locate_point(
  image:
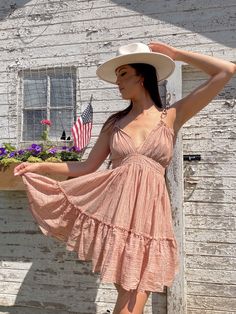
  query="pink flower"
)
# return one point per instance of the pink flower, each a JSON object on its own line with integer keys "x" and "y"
{"x": 46, "y": 122}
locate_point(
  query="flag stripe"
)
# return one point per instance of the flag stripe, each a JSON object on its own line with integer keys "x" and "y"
{"x": 82, "y": 128}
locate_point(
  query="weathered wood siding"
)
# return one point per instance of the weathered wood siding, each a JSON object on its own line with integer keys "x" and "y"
{"x": 39, "y": 34}
{"x": 38, "y": 275}
{"x": 210, "y": 197}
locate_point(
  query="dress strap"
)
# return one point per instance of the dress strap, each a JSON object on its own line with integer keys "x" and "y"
{"x": 116, "y": 123}
{"x": 163, "y": 113}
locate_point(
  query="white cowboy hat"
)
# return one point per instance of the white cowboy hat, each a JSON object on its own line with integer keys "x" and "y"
{"x": 136, "y": 53}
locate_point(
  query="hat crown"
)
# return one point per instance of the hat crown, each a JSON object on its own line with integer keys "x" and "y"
{"x": 132, "y": 48}
{"x": 136, "y": 53}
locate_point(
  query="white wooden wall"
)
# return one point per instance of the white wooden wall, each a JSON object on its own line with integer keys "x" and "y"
{"x": 209, "y": 206}
{"x": 43, "y": 33}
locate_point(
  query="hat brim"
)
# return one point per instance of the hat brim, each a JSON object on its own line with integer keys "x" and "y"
{"x": 163, "y": 64}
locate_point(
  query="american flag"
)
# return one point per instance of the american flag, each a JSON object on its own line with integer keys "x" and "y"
{"x": 82, "y": 128}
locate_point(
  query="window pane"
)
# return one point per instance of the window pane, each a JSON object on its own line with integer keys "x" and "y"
{"x": 35, "y": 92}
{"x": 62, "y": 91}
{"x": 61, "y": 120}
{"x": 46, "y": 93}
{"x": 32, "y": 128}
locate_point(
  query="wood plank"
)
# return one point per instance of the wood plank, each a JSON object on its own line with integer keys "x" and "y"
{"x": 226, "y": 94}
{"x": 215, "y": 145}
{"x": 210, "y": 262}
{"x": 8, "y": 200}
{"x": 211, "y": 223}
{"x": 226, "y": 277}
{"x": 56, "y": 252}
{"x": 29, "y": 310}
{"x": 220, "y": 169}
{"x": 30, "y": 226}
{"x": 205, "y": 208}
{"x": 211, "y": 289}
{"x": 197, "y": 311}
{"x": 216, "y": 196}
{"x": 66, "y": 262}
{"x": 201, "y": 235}
{"x": 218, "y": 119}
{"x": 215, "y": 249}
{"x": 213, "y": 303}
{"x": 64, "y": 278}
{"x": 85, "y": 307}
{"x": 212, "y": 183}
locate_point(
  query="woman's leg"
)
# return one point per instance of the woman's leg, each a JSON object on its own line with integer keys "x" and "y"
{"x": 118, "y": 287}
{"x": 130, "y": 302}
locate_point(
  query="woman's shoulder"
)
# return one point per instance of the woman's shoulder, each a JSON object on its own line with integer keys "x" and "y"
{"x": 110, "y": 124}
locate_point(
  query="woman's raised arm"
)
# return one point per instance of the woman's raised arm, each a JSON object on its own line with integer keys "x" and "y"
{"x": 220, "y": 72}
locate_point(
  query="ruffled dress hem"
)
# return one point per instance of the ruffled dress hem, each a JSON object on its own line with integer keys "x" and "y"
{"x": 132, "y": 260}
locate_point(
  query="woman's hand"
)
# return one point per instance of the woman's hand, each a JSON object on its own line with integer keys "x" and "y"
{"x": 27, "y": 167}
{"x": 163, "y": 48}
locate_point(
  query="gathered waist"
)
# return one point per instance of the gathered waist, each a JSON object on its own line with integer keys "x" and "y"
{"x": 143, "y": 160}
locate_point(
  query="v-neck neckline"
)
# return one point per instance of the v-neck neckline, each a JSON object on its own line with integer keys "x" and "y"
{"x": 159, "y": 123}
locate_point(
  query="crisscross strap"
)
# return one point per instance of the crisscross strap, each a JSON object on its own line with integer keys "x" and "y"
{"x": 163, "y": 113}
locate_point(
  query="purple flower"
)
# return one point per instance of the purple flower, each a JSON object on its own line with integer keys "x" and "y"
{"x": 20, "y": 152}
{"x": 3, "y": 151}
{"x": 35, "y": 149}
{"x": 64, "y": 148}
{"x": 12, "y": 154}
{"x": 52, "y": 150}
{"x": 74, "y": 149}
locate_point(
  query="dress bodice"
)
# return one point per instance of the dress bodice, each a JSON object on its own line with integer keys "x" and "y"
{"x": 158, "y": 145}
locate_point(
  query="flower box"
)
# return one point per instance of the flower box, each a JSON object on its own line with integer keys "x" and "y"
{"x": 9, "y": 182}
{"x": 46, "y": 151}
{"x": 10, "y": 157}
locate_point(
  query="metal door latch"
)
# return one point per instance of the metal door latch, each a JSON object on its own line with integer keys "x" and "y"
{"x": 192, "y": 157}
{"x": 190, "y": 169}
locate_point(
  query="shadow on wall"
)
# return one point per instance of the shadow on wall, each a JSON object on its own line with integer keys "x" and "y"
{"x": 37, "y": 274}
{"x": 7, "y": 8}
{"x": 199, "y": 21}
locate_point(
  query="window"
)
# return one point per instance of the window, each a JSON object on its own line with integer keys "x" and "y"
{"x": 48, "y": 94}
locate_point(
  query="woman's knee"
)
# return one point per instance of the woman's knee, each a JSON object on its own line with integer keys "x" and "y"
{"x": 132, "y": 301}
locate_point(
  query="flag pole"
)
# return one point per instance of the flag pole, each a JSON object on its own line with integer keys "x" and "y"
{"x": 91, "y": 98}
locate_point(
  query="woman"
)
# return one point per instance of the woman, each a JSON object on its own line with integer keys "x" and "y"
{"x": 121, "y": 218}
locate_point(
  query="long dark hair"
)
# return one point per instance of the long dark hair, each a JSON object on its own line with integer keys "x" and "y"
{"x": 150, "y": 83}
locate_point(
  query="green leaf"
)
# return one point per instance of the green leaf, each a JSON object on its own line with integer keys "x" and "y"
{"x": 9, "y": 147}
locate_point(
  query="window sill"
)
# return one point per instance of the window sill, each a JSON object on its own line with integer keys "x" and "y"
{"x": 9, "y": 182}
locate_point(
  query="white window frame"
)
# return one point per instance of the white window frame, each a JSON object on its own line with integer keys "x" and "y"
{"x": 52, "y": 70}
